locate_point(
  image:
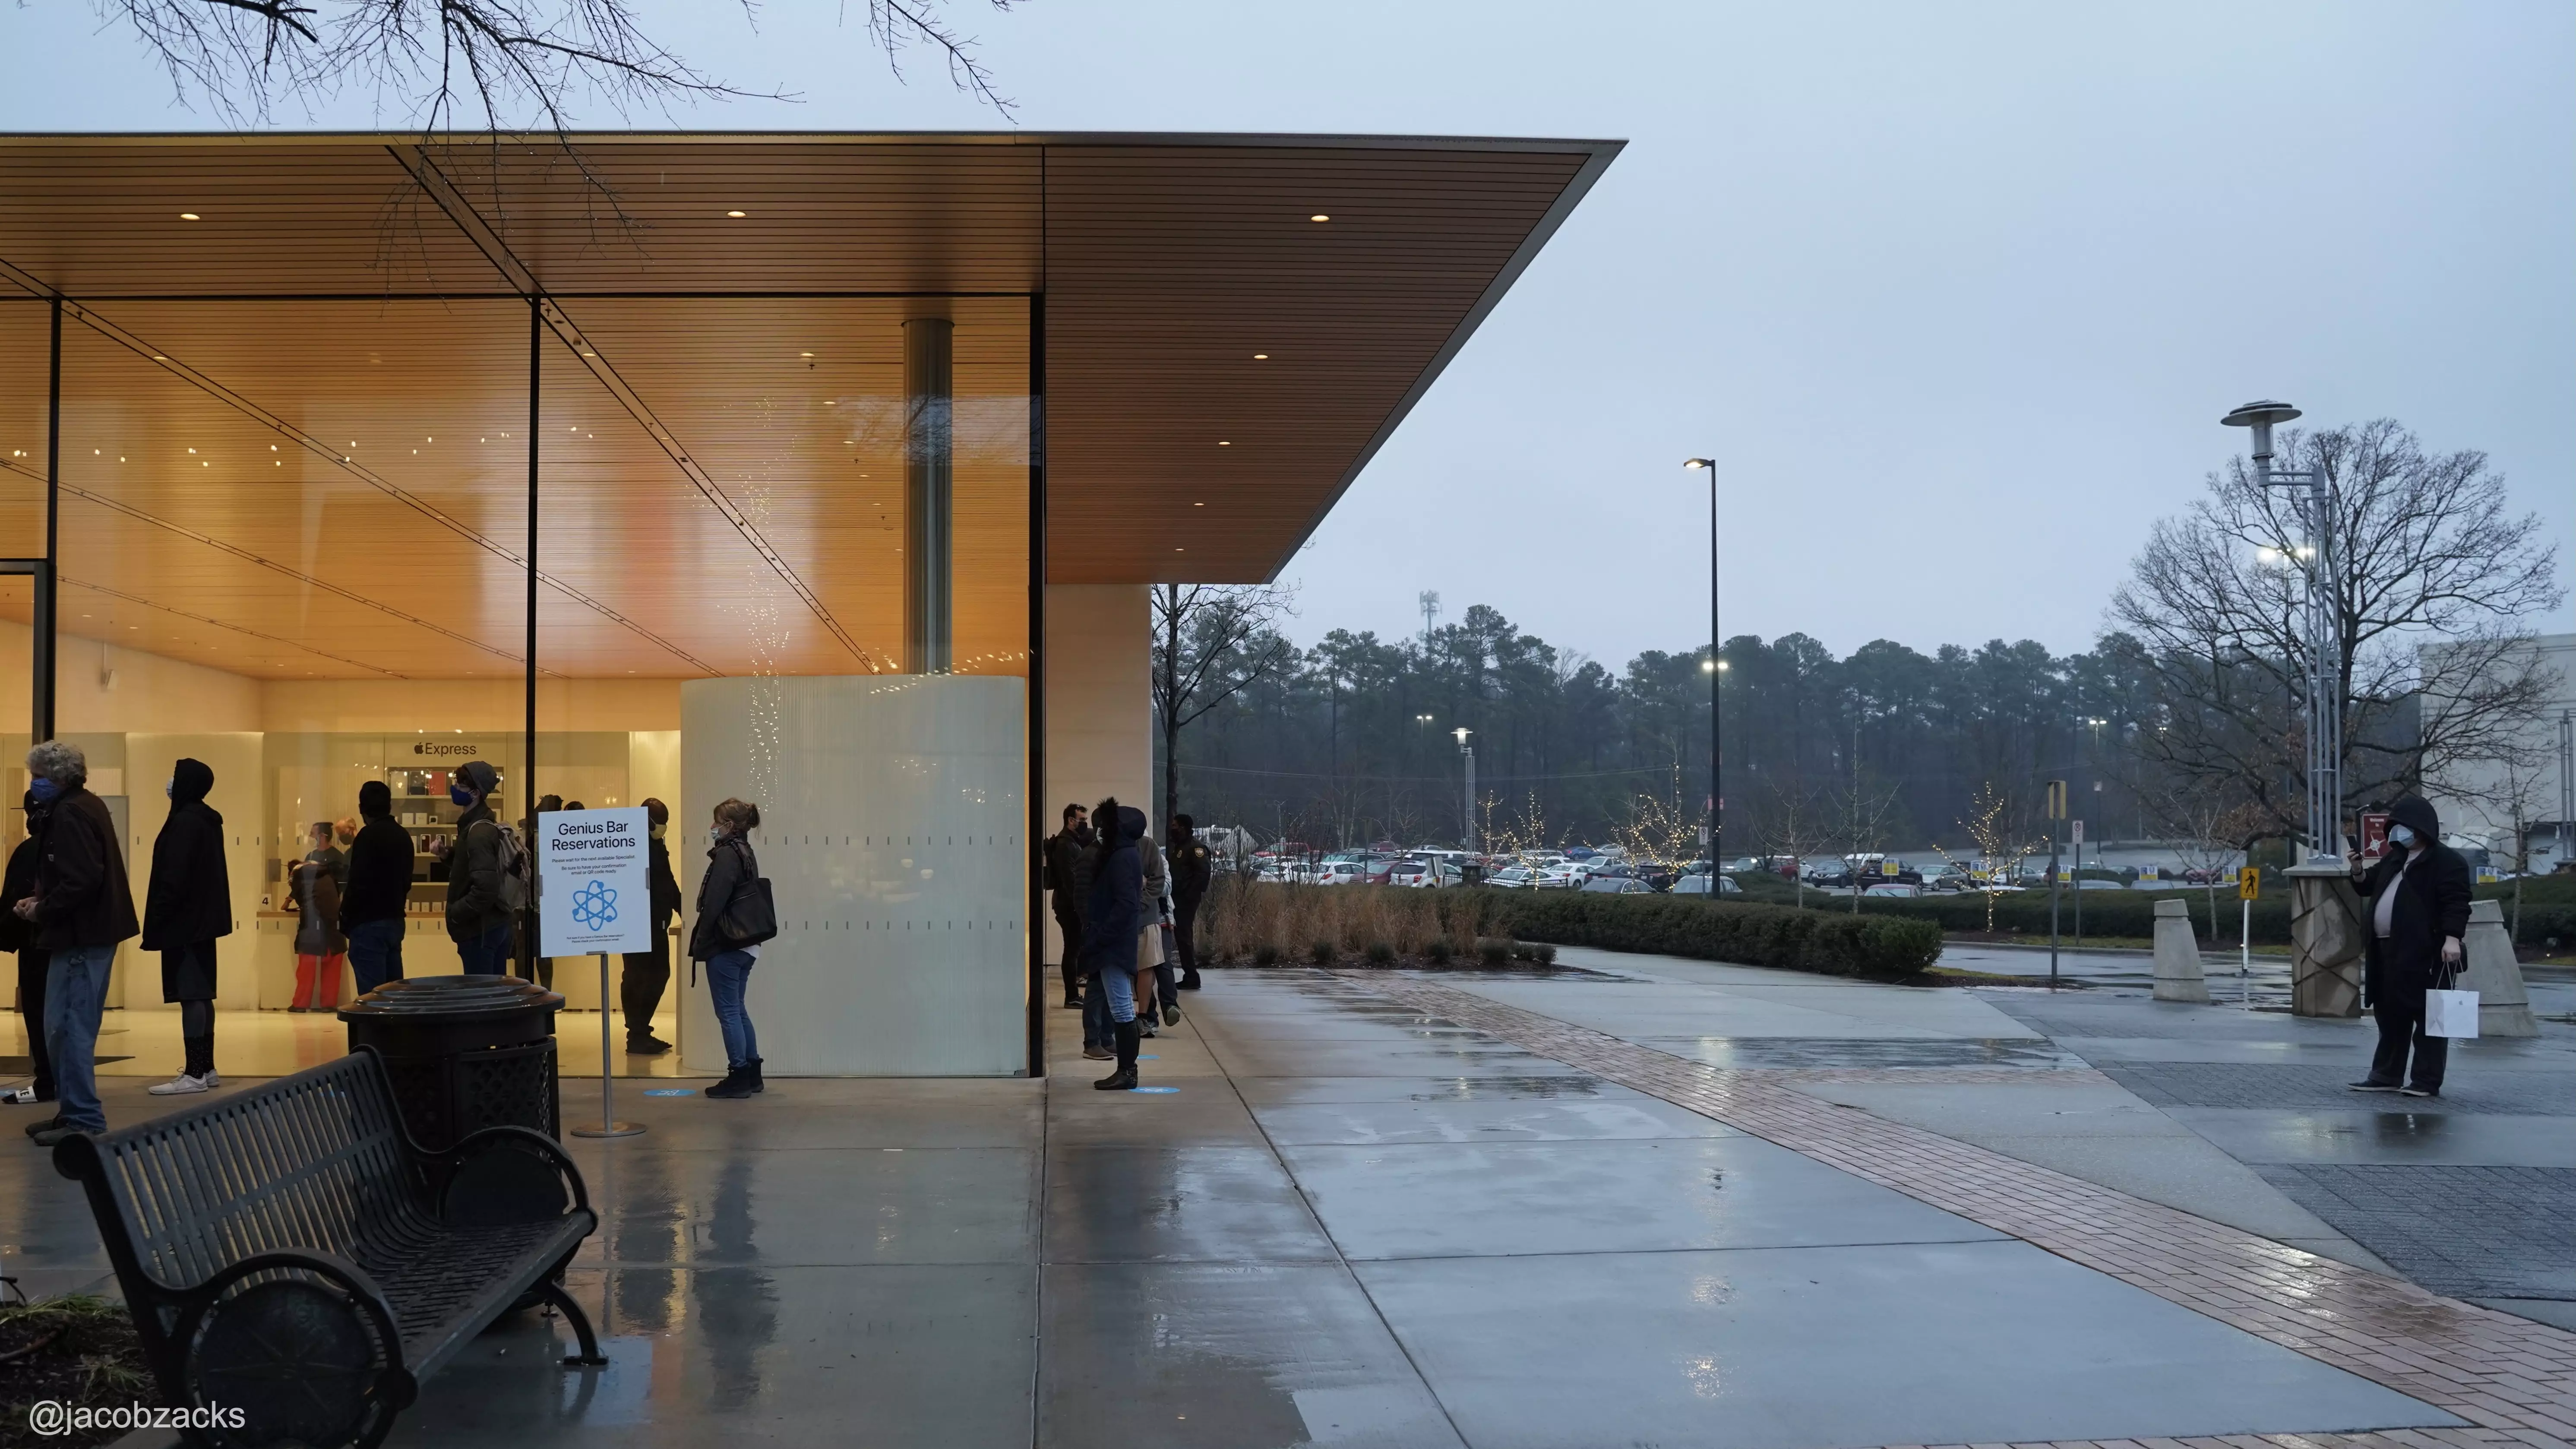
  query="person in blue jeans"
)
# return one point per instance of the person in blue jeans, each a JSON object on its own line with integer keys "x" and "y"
{"x": 1112, "y": 916}
{"x": 730, "y": 863}
{"x": 81, "y": 909}
{"x": 379, "y": 893}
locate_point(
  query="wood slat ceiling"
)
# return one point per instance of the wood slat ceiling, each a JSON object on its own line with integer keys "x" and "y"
{"x": 1166, "y": 263}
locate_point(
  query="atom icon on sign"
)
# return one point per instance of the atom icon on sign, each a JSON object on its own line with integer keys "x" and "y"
{"x": 594, "y": 905}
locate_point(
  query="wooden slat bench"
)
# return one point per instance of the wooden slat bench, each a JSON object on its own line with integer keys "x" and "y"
{"x": 290, "y": 1251}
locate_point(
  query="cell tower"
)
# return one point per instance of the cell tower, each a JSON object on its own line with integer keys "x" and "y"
{"x": 1429, "y": 599}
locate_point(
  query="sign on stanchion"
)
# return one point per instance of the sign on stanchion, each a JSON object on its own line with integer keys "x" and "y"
{"x": 2249, "y": 886}
{"x": 593, "y": 898}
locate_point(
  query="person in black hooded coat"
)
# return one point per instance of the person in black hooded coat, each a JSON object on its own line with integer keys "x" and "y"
{"x": 2414, "y": 912}
{"x": 186, "y": 908}
{"x": 1113, "y": 914}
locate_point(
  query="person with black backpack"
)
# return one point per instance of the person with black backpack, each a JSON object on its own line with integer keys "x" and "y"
{"x": 488, "y": 885}
{"x": 734, "y": 917}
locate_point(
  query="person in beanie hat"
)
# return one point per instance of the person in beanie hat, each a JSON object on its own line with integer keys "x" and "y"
{"x": 187, "y": 907}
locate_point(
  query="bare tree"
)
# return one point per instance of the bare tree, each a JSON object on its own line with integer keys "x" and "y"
{"x": 1794, "y": 825}
{"x": 1995, "y": 825}
{"x": 2211, "y": 832}
{"x": 2427, "y": 554}
{"x": 1211, "y": 642}
{"x": 487, "y": 65}
{"x": 1661, "y": 830}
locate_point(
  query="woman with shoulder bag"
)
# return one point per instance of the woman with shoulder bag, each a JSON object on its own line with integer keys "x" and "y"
{"x": 733, "y": 919}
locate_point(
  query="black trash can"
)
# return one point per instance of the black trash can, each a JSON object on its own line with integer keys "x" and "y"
{"x": 464, "y": 1052}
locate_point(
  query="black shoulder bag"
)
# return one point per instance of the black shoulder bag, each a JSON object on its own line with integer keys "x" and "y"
{"x": 751, "y": 916}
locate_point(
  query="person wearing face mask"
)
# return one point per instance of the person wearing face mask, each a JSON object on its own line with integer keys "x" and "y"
{"x": 372, "y": 909}
{"x": 730, "y": 863}
{"x": 82, "y": 908}
{"x": 187, "y": 907}
{"x": 647, "y": 974}
{"x": 478, "y": 908}
{"x": 1113, "y": 916}
{"x": 2415, "y": 901}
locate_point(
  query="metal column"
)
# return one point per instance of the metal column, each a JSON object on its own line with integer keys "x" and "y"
{"x": 928, "y": 521}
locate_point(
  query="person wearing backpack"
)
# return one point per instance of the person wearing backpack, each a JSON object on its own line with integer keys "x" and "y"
{"x": 731, "y": 868}
{"x": 489, "y": 881}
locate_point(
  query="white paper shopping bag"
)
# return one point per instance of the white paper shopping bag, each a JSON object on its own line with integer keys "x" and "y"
{"x": 2451, "y": 1013}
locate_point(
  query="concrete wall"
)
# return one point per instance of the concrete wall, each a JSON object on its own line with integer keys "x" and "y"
{"x": 1099, "y": 704}
{"x": 2472, "y": 803}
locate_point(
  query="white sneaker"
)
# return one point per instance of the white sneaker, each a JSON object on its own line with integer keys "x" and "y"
{"x": 182, "y": 1085}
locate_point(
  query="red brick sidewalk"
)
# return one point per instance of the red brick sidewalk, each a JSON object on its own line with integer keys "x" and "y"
{"x": 2514, "y": 1378}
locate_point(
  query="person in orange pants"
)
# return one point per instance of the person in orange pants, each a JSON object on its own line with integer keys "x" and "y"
{"x": 320, "y": 950}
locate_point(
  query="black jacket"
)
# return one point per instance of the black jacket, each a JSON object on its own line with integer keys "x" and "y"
{"x": 1063, "y": 859}
{"x": 1192, "y": 865}
{"x": 190, "y": 896}
{"x": 665, "y": 887}
{"x": 729, "y": 863}
{"x": 379, "y": 874}
{"x": 2432, "y": 903}
{"x": 474, "y": 876}
{"x": 84, "y": 898}
{"x": 18, "y": 884}
{"x": 1113, "y": 911}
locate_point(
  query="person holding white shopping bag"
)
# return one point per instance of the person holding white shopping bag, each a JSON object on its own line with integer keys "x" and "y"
{"x": 2415, "y": 900}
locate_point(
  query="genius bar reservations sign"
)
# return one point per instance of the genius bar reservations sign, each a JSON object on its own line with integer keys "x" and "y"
{"x": 591, "y": 882}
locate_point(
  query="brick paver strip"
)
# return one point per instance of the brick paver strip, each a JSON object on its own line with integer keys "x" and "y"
{"x": 2513, "y": 1378}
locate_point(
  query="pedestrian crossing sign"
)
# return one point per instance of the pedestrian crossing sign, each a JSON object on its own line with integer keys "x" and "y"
{"x": 2249, "y": 884}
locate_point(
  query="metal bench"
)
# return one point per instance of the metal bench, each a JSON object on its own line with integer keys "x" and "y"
{"x": 290, "y": 1251}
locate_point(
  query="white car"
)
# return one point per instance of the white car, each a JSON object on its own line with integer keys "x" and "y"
{"x": 1513, "y": 878}
{"x": 1697, "y": 885}
{"x": 1418, "y": 874}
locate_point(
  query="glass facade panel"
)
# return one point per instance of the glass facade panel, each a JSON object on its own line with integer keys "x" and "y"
{"x": 302, "y": 567}
{"x": 25, "y": 361}
{"x": 723, "y": 497}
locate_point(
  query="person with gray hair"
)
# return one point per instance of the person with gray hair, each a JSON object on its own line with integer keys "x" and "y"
{"x": 81, "y": 909}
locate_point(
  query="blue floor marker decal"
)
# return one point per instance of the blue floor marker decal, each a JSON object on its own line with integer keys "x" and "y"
{"x": 670, "y": 1091}
{"x": 1165, "y": 1090}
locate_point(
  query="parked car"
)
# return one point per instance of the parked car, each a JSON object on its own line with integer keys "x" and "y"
{"x": 1419, "y": 874}
{"x": 1697, "y": 885}
{"x": 1898, "y": 890}
{"x": 1617, "y": 885}
{"x": 1513, "y": 878}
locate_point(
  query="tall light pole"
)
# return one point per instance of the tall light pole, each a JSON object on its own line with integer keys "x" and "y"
{"x": 2314, "y": 496}
{"x": 1467, "y": 815}
{"x": 1716, "y": 672}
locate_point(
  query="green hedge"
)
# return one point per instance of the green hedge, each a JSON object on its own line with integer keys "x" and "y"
{"x": 1751, "y": 935}
{"x": 2546, "y": 913}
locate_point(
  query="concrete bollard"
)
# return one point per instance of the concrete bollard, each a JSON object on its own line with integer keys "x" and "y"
{"x": 2504, "y": 1007}
{"x": 2178, "y": 955}
{"x": 2325, "y": 940}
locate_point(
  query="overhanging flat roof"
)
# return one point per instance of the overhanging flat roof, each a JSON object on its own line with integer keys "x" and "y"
{"x": 1165, "y": 261}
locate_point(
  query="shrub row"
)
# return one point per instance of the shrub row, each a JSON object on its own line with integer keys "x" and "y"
{"x": 1873, "y": 944}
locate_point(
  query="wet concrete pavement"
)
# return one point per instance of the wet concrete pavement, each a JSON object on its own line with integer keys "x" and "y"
{"x": 1346, "y": 1223}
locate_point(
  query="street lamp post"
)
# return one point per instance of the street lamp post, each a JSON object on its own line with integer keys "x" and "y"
{"x": 2314, "y": 495}
{"x": 1467, "y": 816}
{"x": 1716, "y": 672}
{"x": 2323, "y": 980}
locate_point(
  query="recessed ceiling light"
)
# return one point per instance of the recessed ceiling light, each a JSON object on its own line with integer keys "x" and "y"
{"x": 804, "y": 354}
{"x": 1222, "y": 443}
{"x": 1319, "y": 216}
{"x": 1180, "y": 550}
{"x": 189, "y": 216}
{"x": 1261, "y": 357}
{"x": 1198, "y": 505}
{"x": 586, "y": 352}
{"x": 737, "y": 215}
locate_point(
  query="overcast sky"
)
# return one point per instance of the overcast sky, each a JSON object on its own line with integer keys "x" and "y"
{"x": 1955, "y": 293}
